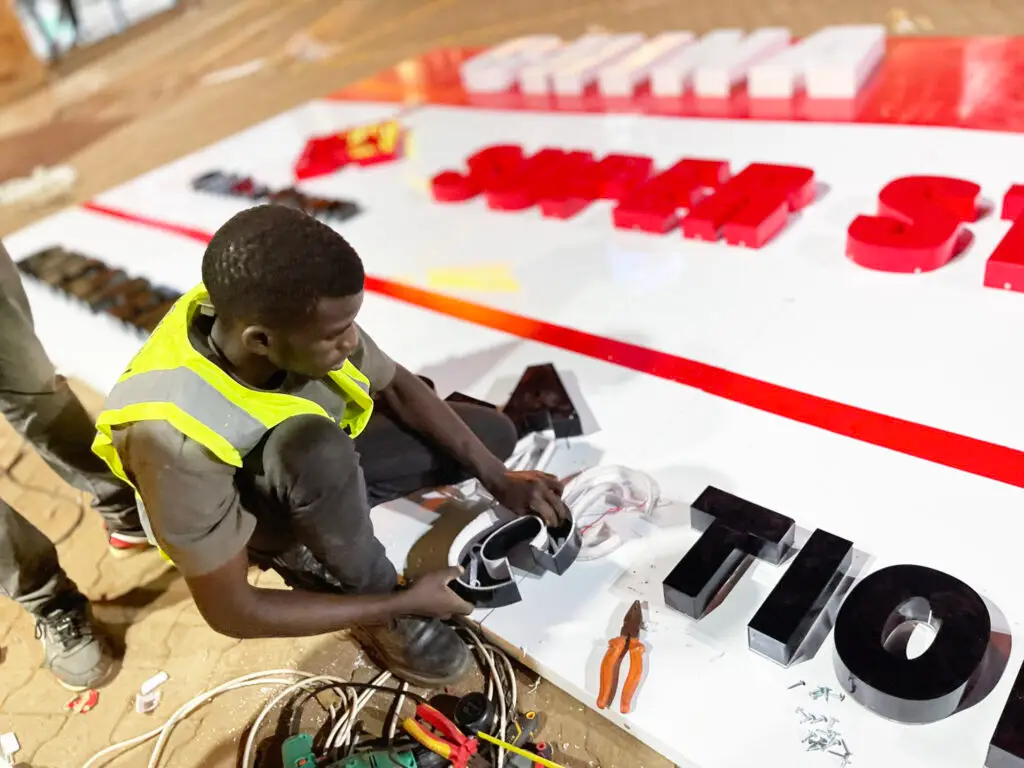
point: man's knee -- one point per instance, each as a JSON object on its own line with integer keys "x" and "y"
{"x": 494, "y": 429}
{"x": 309, "y": 447}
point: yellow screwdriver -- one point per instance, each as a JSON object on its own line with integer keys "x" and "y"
{"x": 537, "y": 759}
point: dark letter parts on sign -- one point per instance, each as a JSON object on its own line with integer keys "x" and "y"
{"x": 747, "y": 209}
{"x": 233, "y": 185}
{"x": 870, "y": 621}
{"x": 135, "y": 302}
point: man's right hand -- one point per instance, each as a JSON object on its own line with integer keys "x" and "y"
{"x": 431, "y": 596}
{"x": 234, "y": 607}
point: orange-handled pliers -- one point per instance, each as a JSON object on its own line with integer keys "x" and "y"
{"x": 627, "y": 643}
{"x": 441, "y": 736}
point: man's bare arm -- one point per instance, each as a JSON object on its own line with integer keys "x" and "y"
{"x": 233, "y": 607}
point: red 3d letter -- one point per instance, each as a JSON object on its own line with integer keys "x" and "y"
{"x": 489, "y": 168}
{"x": 753, "y": 206}
{"x": 621, "y": 174}
{"x": 653, "y": 206}
{"x": 453, "y": 187}
{"x": 918, "y": 227}
{"x": 563, "y": 183}
{"x": 1005, "y": 267}
{"x": 499, "y": 170}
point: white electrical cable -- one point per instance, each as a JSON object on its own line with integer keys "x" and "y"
{"x": 257, "y": 678}
{"x": 162, "y": 733}
{"x": 495, "y": 684}
{"x": 601, "y": 491}
{"x": 396, "y": 714}
{"x": 347, "y": 720}
{"x": 341, "y": 733}
{"x": 350, "y": 706}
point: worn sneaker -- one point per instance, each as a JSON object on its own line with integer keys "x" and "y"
{"x": 126, "y": 543}
{"x": 75, "y": 652}
{"x": 424, "y": 652}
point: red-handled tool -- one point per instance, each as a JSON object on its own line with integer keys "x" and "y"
{"x": 441, "y": 736}
{"x": 627, "y": 643}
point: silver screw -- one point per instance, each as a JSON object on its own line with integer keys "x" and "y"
{"x": 796, "y": 685}
{"x": 842, "y": 745}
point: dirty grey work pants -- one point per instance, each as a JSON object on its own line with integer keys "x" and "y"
{"x": 311, "y": 488}
{"x": 40, "y": 405}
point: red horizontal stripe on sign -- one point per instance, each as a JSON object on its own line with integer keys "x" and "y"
{"x": 135, "y": 218}
{"x": 967, "y": 454}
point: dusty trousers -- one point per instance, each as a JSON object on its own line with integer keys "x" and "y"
{"x": 311, "y": 488}
{"x": 40, "y": 405}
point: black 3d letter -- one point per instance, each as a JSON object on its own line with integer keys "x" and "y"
{"x": 1006, "y": 747}
{"x": 733, "y": 528}
{"x": 782, "y": 622}
{"x": 920, "y": 690}
{"x": 540, "y": 402}
{"x": 488, "y": 580}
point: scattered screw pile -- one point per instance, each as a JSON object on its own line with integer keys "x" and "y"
{"x": 822, "y": 735}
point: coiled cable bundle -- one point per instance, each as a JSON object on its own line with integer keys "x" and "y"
{"x": 592, "y": 496}
{"x": 596, "y": 494}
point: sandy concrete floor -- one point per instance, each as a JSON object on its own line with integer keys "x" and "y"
{"x": 137, "y": 103}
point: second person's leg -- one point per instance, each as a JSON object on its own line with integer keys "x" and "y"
{"x": 40, "y": 405}
{"x": 31, "y": 575}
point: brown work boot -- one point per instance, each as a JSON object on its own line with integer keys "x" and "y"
{"x": 424, "y": 652}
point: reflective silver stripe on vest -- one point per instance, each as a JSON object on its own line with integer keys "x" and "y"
{"x": 144, "y": 518}
{"x": 365, "y": 386}
{"x": 192, "y": 394}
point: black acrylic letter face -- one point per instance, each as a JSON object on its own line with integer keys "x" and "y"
{"x": 920, "y": 690}
{"x": 705, "y": 567}
{"x": 769, "y": 534}
{"x": 1006, "y": 747}
{"x": 782, "y": 622}
{"x": 540, "y": 401}
{"x": 733, "y": 528}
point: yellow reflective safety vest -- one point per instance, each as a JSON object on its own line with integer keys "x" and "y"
{"x": 169, "y": 380}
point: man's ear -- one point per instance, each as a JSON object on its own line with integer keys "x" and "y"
{"x": 256, "y": 339}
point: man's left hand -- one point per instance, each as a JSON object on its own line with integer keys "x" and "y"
{"x": 531, "y": 493}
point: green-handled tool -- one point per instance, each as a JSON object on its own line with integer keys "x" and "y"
{"x": 297, "y": 752}
{"x": 379, "y": 759}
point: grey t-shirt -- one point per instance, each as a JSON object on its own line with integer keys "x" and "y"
{"x": 190, "y": 496}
